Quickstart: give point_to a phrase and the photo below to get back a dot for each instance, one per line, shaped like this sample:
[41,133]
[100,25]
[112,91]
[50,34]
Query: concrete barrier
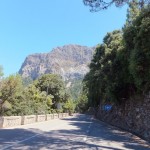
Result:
[41,118]
[28,119]
[10,121]
[49,117]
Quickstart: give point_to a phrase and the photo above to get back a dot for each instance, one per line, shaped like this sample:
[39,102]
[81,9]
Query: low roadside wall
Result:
[65,114]
[10,121]
[41,118]
[56,116]
[28,119]
[1,122]
[60,115]
[49,117]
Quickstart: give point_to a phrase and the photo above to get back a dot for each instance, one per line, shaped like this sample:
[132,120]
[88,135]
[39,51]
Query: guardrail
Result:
[10,121]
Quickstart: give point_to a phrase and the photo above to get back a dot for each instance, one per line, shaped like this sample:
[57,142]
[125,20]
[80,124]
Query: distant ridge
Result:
[69,61]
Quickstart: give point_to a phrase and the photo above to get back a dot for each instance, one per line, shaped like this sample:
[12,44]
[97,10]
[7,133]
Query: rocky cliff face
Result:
[70,61]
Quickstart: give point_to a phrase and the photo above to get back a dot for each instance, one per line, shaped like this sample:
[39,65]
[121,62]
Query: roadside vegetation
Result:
[120,67]
[47,94]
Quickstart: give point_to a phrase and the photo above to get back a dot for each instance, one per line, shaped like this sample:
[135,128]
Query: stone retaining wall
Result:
[49,117]
[41,118]
[60,115]
[1,122]
[133,116]
[65,114]
[11,121]
[28,119]
[56,116]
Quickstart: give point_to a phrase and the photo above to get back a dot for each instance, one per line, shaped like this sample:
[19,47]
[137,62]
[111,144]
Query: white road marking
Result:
[20,141]
[6,147]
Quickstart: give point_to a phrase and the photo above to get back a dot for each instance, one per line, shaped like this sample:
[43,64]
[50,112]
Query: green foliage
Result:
[27,81]
[36,98]
[75,88]
[52,84]
[132,12]
[82,103]
[120,66]
[69,106]
[103,80]
[10,89]
[38,102]
[140,52]
[97,5]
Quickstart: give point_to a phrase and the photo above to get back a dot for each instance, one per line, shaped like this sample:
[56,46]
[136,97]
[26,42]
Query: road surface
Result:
[80,132]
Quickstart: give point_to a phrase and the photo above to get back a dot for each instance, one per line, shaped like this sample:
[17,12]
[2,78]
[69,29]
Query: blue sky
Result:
[37,26]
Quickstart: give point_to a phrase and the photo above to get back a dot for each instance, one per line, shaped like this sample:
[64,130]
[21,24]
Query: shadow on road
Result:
[99,137]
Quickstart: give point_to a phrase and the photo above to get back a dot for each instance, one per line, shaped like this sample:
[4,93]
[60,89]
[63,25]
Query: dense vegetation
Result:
[75,88]
[20,96]
[96,5]
[120,67]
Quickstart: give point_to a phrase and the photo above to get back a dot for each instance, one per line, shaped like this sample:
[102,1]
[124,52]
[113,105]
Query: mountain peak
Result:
[69,61]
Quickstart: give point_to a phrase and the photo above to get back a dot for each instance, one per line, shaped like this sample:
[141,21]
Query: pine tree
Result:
[132,12]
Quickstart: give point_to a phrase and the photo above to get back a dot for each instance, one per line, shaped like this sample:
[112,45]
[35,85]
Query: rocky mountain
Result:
[69,61]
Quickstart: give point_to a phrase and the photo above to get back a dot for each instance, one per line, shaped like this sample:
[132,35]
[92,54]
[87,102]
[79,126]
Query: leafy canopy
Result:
[97,5]
[120,67]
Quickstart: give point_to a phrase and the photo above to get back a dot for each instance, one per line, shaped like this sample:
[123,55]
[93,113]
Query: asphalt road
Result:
[79,132]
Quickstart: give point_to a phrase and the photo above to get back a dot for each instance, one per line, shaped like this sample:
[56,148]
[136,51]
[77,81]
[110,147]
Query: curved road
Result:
[80,132]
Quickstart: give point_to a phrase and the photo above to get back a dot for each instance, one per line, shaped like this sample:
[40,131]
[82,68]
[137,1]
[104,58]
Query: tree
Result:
[96,5]
[93,80]
[106,71]
[82,102]
[140,50]
[128,30]
[1,71]
[120,66]
[27,81]
[75,88]
[52,84]
[69,106]
[38,102]
[132,12]
[11,88]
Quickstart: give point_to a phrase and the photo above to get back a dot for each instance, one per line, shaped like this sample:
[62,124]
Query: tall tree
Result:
[140,50]
[11,87]
[96,5]
[132,12]
[52,84]
[106,77]
[37,102]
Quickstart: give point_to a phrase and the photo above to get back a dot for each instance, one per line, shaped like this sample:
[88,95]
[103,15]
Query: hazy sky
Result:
[37,26]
